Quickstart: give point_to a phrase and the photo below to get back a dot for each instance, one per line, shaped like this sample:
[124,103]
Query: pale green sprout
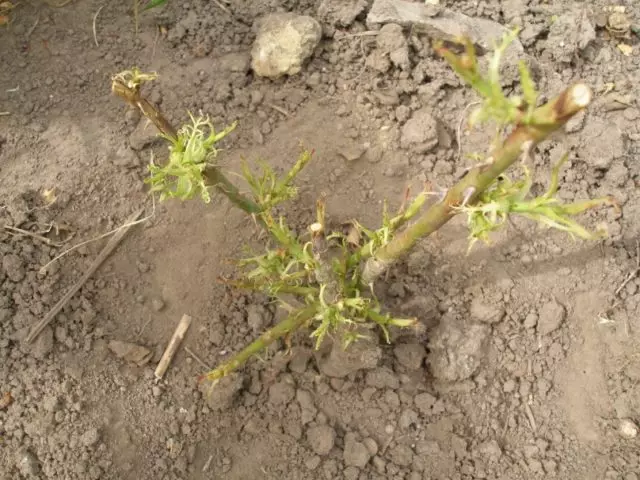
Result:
[194,149]
[508,197]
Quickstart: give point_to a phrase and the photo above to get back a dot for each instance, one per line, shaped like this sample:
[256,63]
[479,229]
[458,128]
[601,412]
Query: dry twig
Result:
[172,348]
[95,18]
[106,251]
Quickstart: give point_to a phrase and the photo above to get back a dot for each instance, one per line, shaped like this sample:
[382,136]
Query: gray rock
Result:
[355,453]
[281,393]
[420,132]
[457,349]
[438,23]
[340,362]
[340,13]
[284,41]
[531,320]
[143,135]
[485,313]
[13,267]
[321,439]
[410,355]
[552,315]
[220,396]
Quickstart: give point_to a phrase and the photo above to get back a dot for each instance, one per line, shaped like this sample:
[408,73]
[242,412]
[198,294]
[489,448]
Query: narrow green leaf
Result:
[154,3]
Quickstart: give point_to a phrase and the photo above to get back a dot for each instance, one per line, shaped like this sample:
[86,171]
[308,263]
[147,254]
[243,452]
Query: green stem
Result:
[544,121]
[289,324]
[215,178]
[220,182]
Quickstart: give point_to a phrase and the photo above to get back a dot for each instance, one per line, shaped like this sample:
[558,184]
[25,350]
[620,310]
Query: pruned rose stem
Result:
[545,120]
[214,176]
[288,325]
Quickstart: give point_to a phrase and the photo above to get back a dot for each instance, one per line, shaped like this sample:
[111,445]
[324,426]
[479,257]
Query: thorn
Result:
[468,193]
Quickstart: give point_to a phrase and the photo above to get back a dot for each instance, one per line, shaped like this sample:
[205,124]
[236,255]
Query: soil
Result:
[528,364]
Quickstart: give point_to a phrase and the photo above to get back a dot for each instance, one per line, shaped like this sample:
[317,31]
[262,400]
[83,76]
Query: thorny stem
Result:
[545,120]
[214,177]
[289,324]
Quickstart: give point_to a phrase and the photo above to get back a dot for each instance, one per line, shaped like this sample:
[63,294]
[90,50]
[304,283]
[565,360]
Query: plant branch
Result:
[127,86]
[288,325]
[544,121]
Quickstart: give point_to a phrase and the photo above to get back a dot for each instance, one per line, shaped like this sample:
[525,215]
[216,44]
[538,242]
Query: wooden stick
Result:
[106,251]
[172,348]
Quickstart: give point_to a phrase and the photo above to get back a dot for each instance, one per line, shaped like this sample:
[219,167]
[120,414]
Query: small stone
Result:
[13,267]
[403,113]
[628,428]
[313,462]
[156,391]
[531,320]
[420,132]
[321,439]
[509,386]
[424,402]
[90,438]
[486,313]
[281,393]
[157,304]
[28,464]
[552,315]
[144,135]
[352,152]
[410,355]
[371,445]
[284,41]
[355,453]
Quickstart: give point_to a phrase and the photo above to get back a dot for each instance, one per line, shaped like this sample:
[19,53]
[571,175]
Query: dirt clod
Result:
[457,350]
[355,453]
[420,132]
[221,396]
[410,355]
[340,362]
[552,315]
[321,439]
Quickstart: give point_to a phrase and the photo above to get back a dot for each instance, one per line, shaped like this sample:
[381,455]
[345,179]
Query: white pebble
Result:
[628,428]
